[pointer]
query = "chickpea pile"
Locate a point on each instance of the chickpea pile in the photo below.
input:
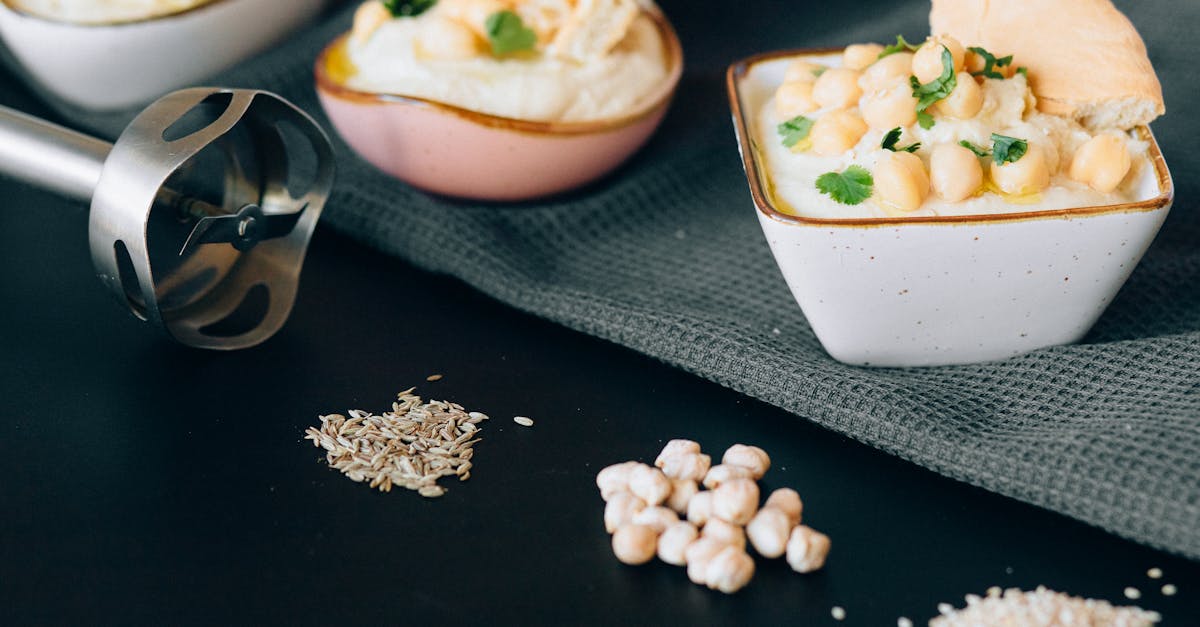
(877, 89)
(644, 504)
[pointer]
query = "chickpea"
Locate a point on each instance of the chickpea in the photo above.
(735, 501)
(807, 549)
(964, 102)
(889, 107)
(699, 509)
(730, 570)
(673, 543)
(888, 71)
(859, 56)
(954, 172)
(725, 532)
(614, 479)
(901, 183)
(634, 544)
(657, 518)
(682, 491)
(649, 484)
(698, 554)
(787, 501)
(676, 447)
(750, 457)
(725, 472)
(1027, 175)
(927, 61)
(793, 99)
(1102, 163)
(802, 71)
(837, 88)
(367, 19)
(447, 39)
(691, 466)
(836, 132)
(621, 509)
(768, 532)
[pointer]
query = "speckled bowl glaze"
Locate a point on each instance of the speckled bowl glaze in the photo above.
(457, 152)
(945, 290)
(127, 64)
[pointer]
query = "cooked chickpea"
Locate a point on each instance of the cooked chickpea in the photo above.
(677, 447)
(859, 56)
(1027, 175)
(657, 518)
(682, 491)
(698, 554)
(649, 484)
(691, 466)
(1102, 163)
(807, 549)
(699, 509)
(768, 532)
(954, 172)
(367, 19)
(725, 472)
(735, 501)
(787, 501)
(750, 457)
(729, 571)
(802, 71)
(836, 132)
(620, 510)
(901, 183)
(634, 544)
(964, 102)
(890, 70)
(673, 543)
(614, 479)
(725, 532)
(927, 61)
(447, 39)
(793, 99)
(837, 88)
(889, 107)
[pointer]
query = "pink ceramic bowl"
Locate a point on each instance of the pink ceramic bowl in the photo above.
(449, 150)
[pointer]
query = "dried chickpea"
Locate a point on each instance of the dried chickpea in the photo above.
(889, 107)
(859, 56)
(768, 532)
(890, 70)
(802, 71)
(964, 102)
(794, 98)
(954, 172)
(837, 88)
(725, 532)
(691, 466)
(367, 19)
(620, 510)
(750, 457)
(836, 132)
(699, 509)
(725, 472)
(787, 501)
(682, 491)
(676, 447)
(446, 39)
(1102, 163)
(901, 183)
(614, 479)
(698, 554)
(1027, 175)
(673, 543)
(735, 501)
(649, 484)
(807, 549)
(729, 571)
(927, 60)
(634, 544)
(657, 518)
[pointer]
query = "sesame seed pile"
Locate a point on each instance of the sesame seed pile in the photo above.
(1038, 608)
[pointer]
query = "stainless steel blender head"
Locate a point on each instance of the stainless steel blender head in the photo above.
(201, 212)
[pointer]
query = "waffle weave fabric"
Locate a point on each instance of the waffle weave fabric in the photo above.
(666, 257)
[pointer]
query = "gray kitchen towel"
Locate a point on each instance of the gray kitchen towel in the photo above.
(665, 256)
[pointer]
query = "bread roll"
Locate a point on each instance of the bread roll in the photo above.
(1085, 59)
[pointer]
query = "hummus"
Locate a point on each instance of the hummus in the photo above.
(534, 86)
(103, 11)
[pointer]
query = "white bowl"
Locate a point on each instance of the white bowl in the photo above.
(127, 64)
(945, 290)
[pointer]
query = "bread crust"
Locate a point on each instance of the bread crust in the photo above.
(1085, 59)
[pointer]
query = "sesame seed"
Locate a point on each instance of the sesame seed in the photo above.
(945, 608)
(1169, 590)
(1133, 593)
(523, 421)
(903, 622)
(433, 377)
(838, 613)
(1154, 573)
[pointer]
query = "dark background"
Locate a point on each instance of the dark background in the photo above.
(143, 482)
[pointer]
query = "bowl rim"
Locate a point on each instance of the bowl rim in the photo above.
(762, 200)
(8, 4)
(327, 85)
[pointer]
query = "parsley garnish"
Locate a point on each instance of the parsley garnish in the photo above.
(819, 71)
(979, 152)
(1007, 149)
(934, 90)
(899, 46)
(408, 8)
(990, 63)
(794, 130)
(893, 136)
(1023, 71)
(508, 33)
(849, 187)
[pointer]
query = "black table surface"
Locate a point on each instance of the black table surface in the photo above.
(142, 482)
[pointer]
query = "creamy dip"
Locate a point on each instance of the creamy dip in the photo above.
(539, 87)
(103, 11)
(1008, 109)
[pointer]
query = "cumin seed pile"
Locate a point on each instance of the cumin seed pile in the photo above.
(411, 446)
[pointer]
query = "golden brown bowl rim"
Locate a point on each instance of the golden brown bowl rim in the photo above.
(141, 20)
(331, 87)
(758, 185)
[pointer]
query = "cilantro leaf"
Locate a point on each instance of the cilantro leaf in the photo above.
(979, 152)
(408, 8)
(900, 46)
(934, 90)
(990, 63)
(892, 137)
(1023, 71)
(794, 130)
(819, 71)
(507, 33)
(925, 120)
(849, 187)
(1007, 149)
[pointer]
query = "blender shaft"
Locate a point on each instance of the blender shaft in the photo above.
(50, 156)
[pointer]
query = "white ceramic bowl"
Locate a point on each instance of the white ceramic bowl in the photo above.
(127, 64)
(945, 290)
